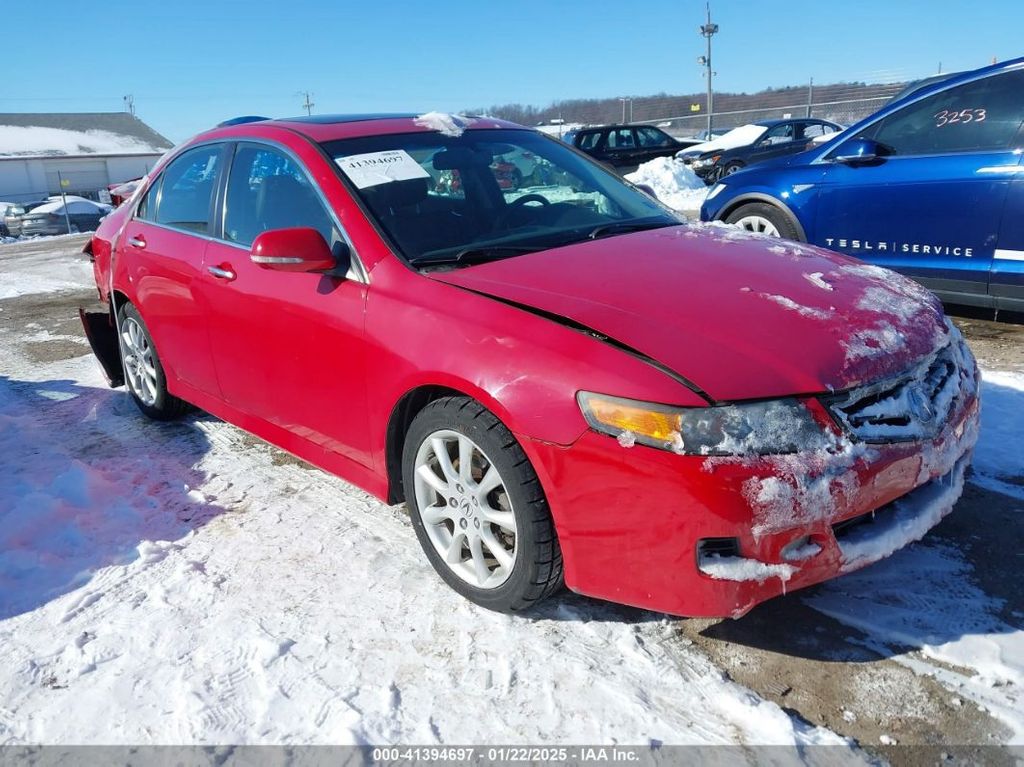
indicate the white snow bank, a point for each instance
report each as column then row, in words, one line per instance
column 445, row 123
column 16, row 140
column 672, row 182
column 743, row 569
column 741, row 136
column 998, row 459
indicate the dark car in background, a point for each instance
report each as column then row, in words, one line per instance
column 80, row 215
column 777, row 138
column 625, row 147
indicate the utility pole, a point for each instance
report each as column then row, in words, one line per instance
column 64, row 200
column 623, row 100
column 129, row 104
column 707, row 30
column 308, row 106
column 810, row 96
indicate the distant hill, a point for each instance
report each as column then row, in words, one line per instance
column 842, row 102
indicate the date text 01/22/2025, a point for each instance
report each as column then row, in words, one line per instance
column 505, row 754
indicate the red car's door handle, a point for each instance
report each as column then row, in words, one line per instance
column 138, row 241
column 222, row 272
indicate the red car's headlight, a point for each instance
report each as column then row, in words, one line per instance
column 755, row 428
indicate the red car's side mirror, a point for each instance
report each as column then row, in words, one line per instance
column 301, row 249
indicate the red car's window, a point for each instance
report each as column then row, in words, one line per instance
column 268, row 190
column 186, row 189
column 487, row 191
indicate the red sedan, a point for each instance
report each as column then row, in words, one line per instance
column 565, row 385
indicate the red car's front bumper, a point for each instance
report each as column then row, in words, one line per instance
column 631, row 521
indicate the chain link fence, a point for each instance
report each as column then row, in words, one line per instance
column 844, row 113
column 684, row 116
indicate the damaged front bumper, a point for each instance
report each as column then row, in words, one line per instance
column 713, row 537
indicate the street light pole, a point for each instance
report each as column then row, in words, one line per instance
column 707, row 30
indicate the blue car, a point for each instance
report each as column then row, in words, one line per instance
column 932, row 185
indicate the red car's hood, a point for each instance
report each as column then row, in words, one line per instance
column 738, row 315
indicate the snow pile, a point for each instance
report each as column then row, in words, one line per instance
column 16, row 140
column 996, row 461
column 444, row 123
column 743, row 569
column 672, row 182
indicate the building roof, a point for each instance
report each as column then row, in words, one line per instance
column 77, row 134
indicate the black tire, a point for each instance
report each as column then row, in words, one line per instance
column 165, row 407
column 731, row 168
column 537, row 569
column 779, row 219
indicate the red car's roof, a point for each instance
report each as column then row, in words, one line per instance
column 321, row 128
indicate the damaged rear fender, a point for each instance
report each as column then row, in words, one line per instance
column 101, row 332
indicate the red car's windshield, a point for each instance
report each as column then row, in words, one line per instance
column 487, row 194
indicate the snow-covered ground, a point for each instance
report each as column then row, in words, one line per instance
column 169, row 583
column 186, row 583
column 924, row 597
column 672, row 182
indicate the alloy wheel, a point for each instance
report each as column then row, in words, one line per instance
column 758, row 224
column 465, row 509
column 139, row 365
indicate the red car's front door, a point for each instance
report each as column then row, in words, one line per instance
column 163, row 247
column 288, row 346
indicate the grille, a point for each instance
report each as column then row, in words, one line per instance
column 912, row 406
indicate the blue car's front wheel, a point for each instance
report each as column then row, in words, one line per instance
column 763, row 218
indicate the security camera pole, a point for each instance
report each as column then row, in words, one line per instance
column 707, row 30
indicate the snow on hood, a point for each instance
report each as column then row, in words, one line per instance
column 741, row 136
column 445, row 123
column 672, row 182
column 741, row 316
column 17, row 140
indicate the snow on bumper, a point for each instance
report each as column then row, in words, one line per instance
column 632, row 531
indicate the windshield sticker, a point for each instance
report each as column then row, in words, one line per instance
column 375, row 168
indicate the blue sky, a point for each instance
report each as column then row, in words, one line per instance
column 190, row 64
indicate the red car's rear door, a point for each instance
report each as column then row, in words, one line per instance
column 289, row 346
column 163, row 247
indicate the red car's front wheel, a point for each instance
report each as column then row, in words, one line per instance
column 477, row 507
